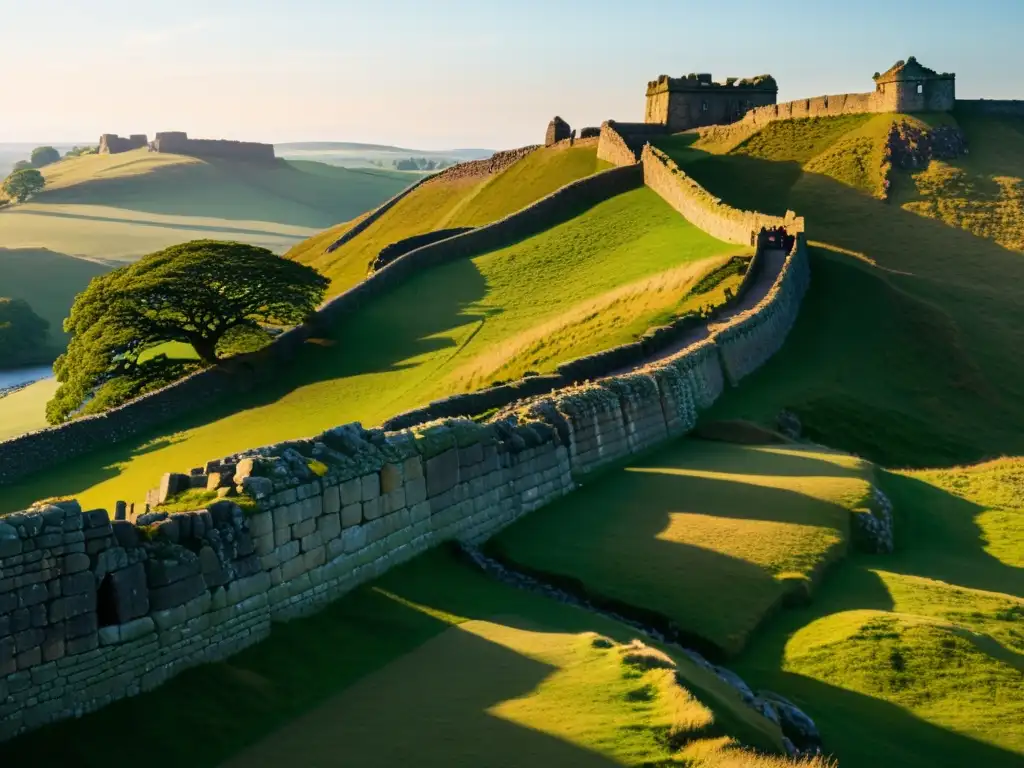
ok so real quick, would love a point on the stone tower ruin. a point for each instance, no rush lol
(908, 86)
(696, 100)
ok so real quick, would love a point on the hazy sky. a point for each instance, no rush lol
(453, 73)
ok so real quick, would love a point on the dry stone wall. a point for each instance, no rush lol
(705, 210)
(622, 143)
(93, 610)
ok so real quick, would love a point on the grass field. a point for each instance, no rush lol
(25, 410)
(102, 210)
(919, 655)
(899, 352)
(711, 536)
(433, 665)
(463, 202)
(435, 334)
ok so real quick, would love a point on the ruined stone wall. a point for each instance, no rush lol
(112, 144)
(703, 209)
(819, 106)
(622, 143)
(94, 610)
(178, 143)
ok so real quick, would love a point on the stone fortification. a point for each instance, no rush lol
(705, 210)
(94, 610)
(695, 100)
(907, 86)
(622, 143)
(178, 143)
(558, 130)
(112, 144)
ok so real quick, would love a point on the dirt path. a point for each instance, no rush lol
(773, 261)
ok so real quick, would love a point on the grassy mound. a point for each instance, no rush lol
(899, 352)
(25, 410)
(101, 210)
(433, 665)
(710, 536)
(449, 202)
(444, 331)
(917, 655)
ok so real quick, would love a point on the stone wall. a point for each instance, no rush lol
(391, 252)
(558, 130)
(45, 449)
(622, 143)
(819, 106)
(178, 143)
(705, 210)
(94, 610)
(112, 144)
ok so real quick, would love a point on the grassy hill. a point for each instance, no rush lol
(447, 330)
(440, 666)
(101, 210)
(899, 353)
(464, 201)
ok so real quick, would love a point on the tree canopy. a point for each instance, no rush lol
(204, 294)
(22, 334)
(43, 156)
(21, 185)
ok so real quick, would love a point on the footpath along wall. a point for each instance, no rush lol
(94, 610)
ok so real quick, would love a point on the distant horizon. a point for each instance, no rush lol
(461, 74)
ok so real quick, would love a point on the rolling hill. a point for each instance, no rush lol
(101, 210)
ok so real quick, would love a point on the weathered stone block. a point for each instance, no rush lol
(371, 509)
(354, 538)
(351, 515)
(390, 478)
(442, 472)
(412, 468)
(261, 524)
(351, 492)
(329, 526)
(369, 486)
(170, 484)
(124, 595)
(415, 491)
(332, 500)
(303, 529)
(178, 593)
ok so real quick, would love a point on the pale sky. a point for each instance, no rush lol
(436, 74)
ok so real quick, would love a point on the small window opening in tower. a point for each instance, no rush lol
(703, 106)
(920, 87)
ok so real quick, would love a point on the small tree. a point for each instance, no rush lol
(22, 333)
(204, 293)
(22, 165)
(43, 156)
(21, 185)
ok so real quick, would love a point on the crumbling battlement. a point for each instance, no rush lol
(112, 144)
(178, 143)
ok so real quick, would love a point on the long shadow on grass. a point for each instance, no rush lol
(673, 546)
(276, 192)
(937, 538)
(430, 709)
(405, 323)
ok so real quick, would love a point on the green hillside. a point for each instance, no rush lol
(101, 210)
(899, 353)
(447, 330)
(453, 668)
(449, 202)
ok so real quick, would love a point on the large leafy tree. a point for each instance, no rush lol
(42, 156)
(21, 185)
(203, 293)
(22, 334)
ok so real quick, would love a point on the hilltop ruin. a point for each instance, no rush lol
(178, 143)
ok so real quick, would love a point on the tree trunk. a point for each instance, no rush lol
(206, 349)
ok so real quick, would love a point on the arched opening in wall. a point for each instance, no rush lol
(106, 612)
(920, 88)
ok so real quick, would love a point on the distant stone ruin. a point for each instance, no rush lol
(558, 130)
(178, 143)
(112, 144)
